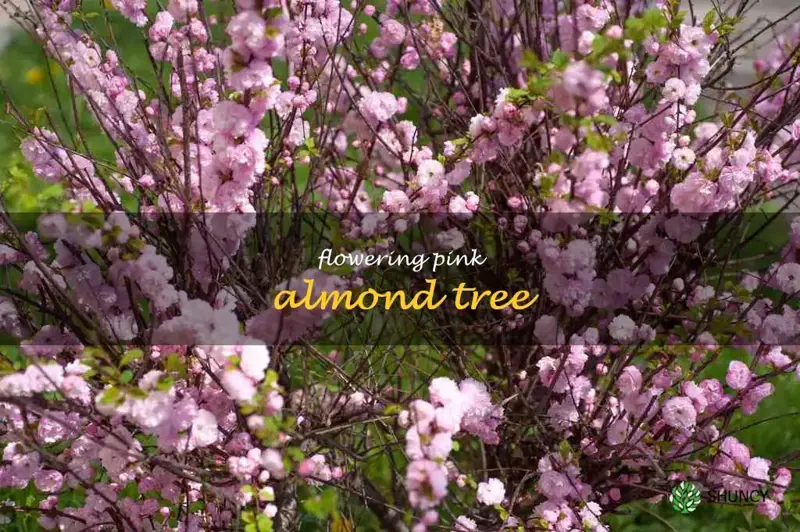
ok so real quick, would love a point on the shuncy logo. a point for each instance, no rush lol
(685, 497)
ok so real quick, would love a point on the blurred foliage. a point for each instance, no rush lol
(22, 192)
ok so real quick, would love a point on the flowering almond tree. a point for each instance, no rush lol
(148, 382)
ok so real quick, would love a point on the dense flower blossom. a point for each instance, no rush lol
(153, 352)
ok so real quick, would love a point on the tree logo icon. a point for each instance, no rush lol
(685, 497)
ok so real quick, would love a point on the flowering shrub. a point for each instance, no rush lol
(149, 384)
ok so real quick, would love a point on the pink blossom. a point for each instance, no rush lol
(738, 376)
(683, 158)
(451, 239)
(249, 35)
(755, 395)
(590, 18)
(769, 509)
(162, 26)
(238, 385)
(623, 329)
(679, 413)
(630, 380)
(254, 361)
(445, 392)
(783, 477)
(693, 195)
(48, 481)
(491, 492)
(410, 59)
(133, 10)
(554, 485)
(674, 89)
(481, 417)
(736, 451)
(426, 482)
(423, 414)
(393, 32)
(787, 277)
(378, 107)
(272, 461)
(396, 201)
(204, 430)
(758, 469)
(233, 119)
(429, 172)
(465, 524)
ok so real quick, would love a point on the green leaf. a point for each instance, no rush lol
(273, 12)
(502, 512)
(271, 378)
(174, 363)
(565, 449)
(727, 119)
(130, 356)
(321, 506)
(605, 216)
(654, 19)
(635, 30)
(295, 454)
(606, 119)
(111, 396)
(341, 524)
(130, 490)
(263, 523)
(538, 85)
(638, 28)
(126, 377)
(329, 500)
(164, 384)
(560, 59)
(599, 142)
(266, 495)
(518, 97)
(708, 21)
(391, 410)
(546, 184)
(530, 60)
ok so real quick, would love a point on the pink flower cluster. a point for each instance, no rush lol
(152, 360)
(453, 408)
